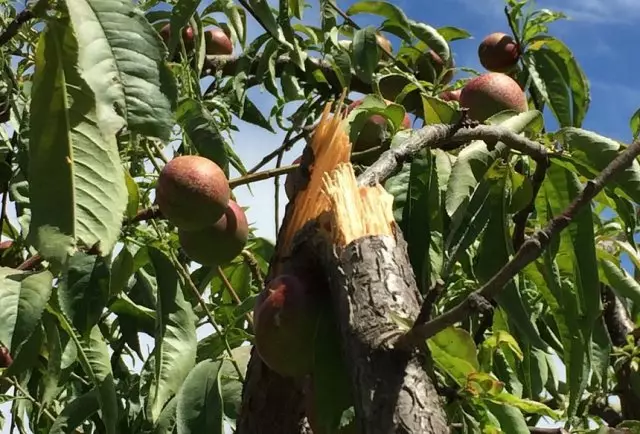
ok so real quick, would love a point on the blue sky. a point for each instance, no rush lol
(601, 34)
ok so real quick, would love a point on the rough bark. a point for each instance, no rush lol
(271, 403)
(620, 326)
(371, 281)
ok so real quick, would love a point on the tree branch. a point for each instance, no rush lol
(520, 219)
(529, 252)
(228, 65)
(436, 136)
(14, 26)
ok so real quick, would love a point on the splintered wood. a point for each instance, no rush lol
(353, 211)
(356, 211)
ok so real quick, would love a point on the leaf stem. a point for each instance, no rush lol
(233, 292)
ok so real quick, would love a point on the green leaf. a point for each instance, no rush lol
(382, 8)
(437, 111)
(201, 130)
(200, 407)
(168, 418)
(128, 73)
(84, 290)
(76, 412)
(181, 13)
(474, 160)
(93, 355)
(133, 194)
(366, 53)
(618, 278)
(573, 279)
(510, 418)
(231, 384)
(593, 152)
(526, 405)
(634, 123)
(262, 9)
(290, 86)
(68, 154)
(175, 350)
(494, 253)
(450, 33)
(576, 78)
(433, 39)
(551, 79)
(454, 351)
(24, 296)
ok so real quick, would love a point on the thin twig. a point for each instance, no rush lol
(276, 193)
(28, 396)
(145, 214)
(285, 146)
(529, 252)
(260, 176)
(520, 219)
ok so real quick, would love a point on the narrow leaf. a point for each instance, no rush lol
(175, 350)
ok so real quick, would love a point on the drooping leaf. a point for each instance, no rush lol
(593, 152)
(231, 383)
(551, 79)
(76, 412)
(577, 80)
(76, 182)
(181, 13)
(175, 350)
(474, 160)
(128, 72)
(330, 386)
(382, 8)
(573, 278)
(24, 296)
(494, 252)
(199, 406)
(510, 418)
(201, 130)
(366, 53)
(618, 278)
(84, 290)
(433, 39)
(134, 196)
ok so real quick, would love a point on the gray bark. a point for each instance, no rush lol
(371, 281)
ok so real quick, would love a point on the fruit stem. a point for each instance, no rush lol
(187, 279)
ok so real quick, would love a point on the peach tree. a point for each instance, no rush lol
(450, 258)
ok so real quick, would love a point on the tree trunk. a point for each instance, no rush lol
(347, 235)
(371, 281)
